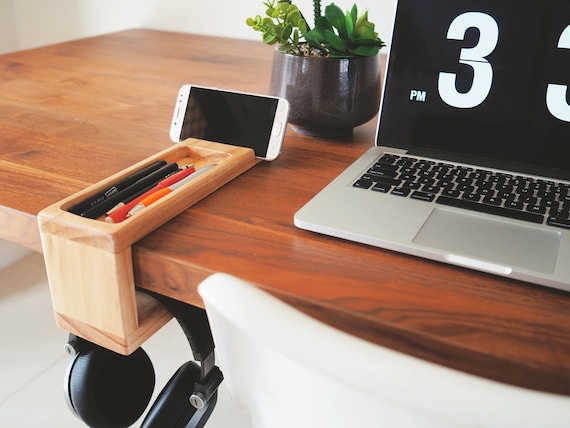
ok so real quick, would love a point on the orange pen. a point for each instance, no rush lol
(165, 191)
(150, 199)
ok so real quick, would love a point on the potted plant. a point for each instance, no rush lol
(330, 72)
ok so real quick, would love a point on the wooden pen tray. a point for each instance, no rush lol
(89, 262)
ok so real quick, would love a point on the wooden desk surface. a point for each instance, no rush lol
(74, 113)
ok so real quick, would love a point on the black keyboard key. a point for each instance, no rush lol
(465, 181)
(388, 159)
(507, 196)
(520, 181)
(423, 196)
(484, 191)
(431, 189)
(539, 209)
(386, 166)
(540, 186)
(558, 222)
(465, 188)
(554, 206)
(560, 212)
(382, 172)
(448, 183)
(381, 187)
(451, 193)
(426, 181)
(504, 188)
(483, 184)
(428, 174)
(481, 174)
(442, 168)
(363, 183)
(530, 200)
(560, 189)
(498, 179)
(490, 209)
(410, 185)
(374, 178)
(445, 177)
(400, 191)
(405, 161)
(547, 196)
(424, 165)
(514, 205)
(406, 176)
(492, 200)
(471, 197)
(388, 180)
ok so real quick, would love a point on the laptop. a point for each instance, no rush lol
(471, 164)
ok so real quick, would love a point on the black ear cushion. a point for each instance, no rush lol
(172, 408)
(110, 390)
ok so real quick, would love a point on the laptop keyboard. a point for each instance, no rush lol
(503, 194)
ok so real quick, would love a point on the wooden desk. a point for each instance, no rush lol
(75, 113)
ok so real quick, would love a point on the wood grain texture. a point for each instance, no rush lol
(152, 316)
(75, 113)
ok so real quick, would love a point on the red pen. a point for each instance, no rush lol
(166, 190)
(120, 214)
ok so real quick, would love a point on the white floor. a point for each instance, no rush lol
(32, 360)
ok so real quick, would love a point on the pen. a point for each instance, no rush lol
(121, 213)
(171, 179)
(130, 198)
(166, 190)
(101, 208)
(116, 188)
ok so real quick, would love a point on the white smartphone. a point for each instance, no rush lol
(230, 117)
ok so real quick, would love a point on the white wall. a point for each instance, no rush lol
(8, 35)
(29, 23)
(207, 17)
(42, 22)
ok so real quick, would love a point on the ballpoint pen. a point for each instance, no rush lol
(119, 214)
(116, 188)
(100, 209)
(145, 202)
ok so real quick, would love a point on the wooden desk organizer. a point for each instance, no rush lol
(89, 262)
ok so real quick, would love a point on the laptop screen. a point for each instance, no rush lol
(483, 81)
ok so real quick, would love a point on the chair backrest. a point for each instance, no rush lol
(290, 370)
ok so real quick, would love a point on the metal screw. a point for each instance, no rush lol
(198, 400)
(70, 349)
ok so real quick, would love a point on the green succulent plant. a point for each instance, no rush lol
(335, 34)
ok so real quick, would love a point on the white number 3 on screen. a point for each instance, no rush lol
(474, 57)
(556, 94)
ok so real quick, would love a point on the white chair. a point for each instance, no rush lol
(290, 370)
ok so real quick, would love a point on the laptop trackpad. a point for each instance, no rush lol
(498, 243)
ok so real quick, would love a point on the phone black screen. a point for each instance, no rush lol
(230, 118)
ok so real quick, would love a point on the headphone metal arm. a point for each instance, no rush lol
(196, 327)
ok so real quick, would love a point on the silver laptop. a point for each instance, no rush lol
(471, 164)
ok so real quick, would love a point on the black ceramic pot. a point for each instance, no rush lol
(328, 97)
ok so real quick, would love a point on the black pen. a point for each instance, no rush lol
(107, 204)
(116, 188)
(130, 198)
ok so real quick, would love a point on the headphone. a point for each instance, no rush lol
(106, 389)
